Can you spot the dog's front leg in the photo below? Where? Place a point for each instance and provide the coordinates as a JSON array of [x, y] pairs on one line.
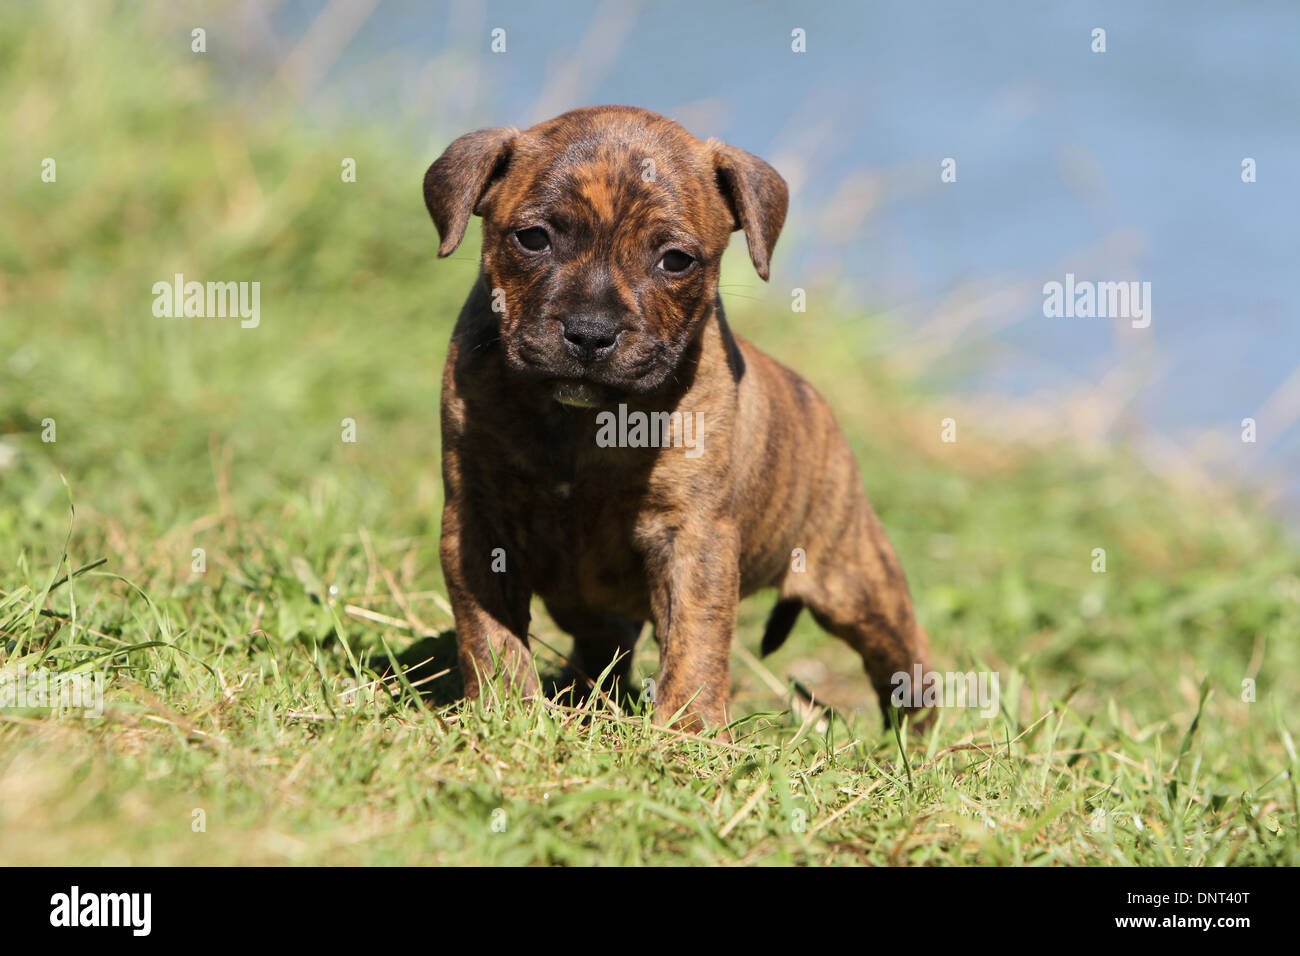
[[694, 588], [489, 600]]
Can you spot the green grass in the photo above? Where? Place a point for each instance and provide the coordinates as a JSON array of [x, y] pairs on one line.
[[233, 691]]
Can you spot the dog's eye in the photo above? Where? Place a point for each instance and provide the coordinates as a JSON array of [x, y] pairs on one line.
[[676, 261], [534, 239]]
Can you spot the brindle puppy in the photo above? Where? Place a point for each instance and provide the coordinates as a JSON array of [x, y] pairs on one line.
[[603, 233]]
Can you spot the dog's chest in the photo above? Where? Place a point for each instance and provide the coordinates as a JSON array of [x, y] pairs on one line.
[[577, 515], [574, 534]]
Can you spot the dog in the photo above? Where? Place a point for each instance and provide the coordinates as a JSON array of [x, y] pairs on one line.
[[597, 297]]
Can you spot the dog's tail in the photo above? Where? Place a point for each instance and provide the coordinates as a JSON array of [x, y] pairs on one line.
[[779, 624]]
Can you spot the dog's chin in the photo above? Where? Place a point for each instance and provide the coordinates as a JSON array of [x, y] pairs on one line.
[[577, 393], [596, 391], [598, 387]]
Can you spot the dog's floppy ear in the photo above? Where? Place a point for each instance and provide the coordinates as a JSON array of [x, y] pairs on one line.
[[758, 198], [458, 178]]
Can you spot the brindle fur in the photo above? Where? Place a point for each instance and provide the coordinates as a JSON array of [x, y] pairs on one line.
[[612, 537]]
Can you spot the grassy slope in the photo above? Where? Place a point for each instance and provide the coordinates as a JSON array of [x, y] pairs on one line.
[[183, 434]]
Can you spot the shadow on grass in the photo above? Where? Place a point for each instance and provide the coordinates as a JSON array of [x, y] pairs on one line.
[[431, 667]]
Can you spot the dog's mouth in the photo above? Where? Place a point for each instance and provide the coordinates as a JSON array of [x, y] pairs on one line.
[[639, 368], [578, 393]]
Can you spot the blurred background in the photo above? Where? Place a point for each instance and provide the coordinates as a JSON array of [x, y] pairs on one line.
[[1115, 166], [1122, 165]]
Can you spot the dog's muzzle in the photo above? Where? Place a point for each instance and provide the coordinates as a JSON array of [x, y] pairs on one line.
[[590, 338]]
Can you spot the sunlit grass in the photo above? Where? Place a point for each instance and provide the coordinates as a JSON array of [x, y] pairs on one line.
[[233, 690]]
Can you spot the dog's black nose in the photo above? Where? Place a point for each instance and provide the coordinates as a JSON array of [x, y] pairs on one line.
[[590, 338]]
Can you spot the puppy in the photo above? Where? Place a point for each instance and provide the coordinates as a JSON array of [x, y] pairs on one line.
[[608, 443]]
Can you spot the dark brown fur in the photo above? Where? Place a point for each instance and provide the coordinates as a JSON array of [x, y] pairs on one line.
[[610, 537]]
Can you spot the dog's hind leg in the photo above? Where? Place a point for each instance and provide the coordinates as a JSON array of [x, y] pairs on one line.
[[856, 591]]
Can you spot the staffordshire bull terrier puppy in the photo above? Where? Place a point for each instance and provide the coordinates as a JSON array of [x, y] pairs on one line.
[[608, 443]]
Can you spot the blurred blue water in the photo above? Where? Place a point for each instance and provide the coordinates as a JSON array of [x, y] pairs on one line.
[[1057, 149]]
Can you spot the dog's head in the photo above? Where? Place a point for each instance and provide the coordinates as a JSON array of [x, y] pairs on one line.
[[603, 234]]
